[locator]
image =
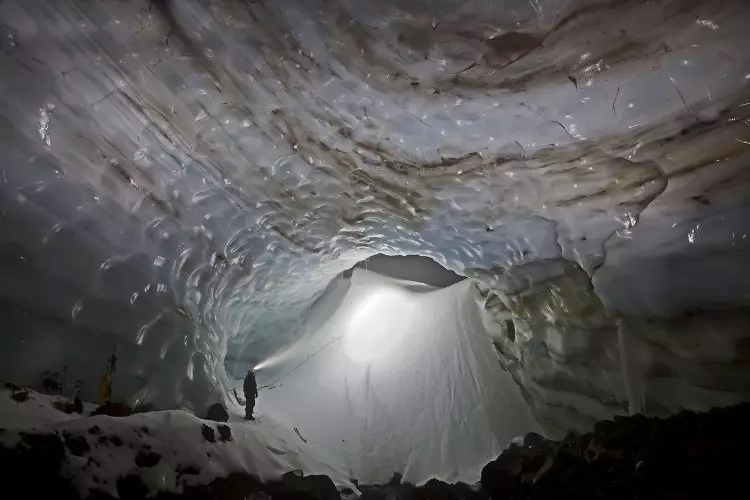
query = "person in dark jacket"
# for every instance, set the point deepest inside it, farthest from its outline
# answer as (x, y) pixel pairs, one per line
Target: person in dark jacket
(251, 392)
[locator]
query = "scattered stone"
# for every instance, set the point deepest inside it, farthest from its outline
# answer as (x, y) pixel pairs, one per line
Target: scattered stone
(31, 468)
(434, 489)
(131, 487)
(19, 395)
(190, 470)
(147, 458)
(208, 433)
(63, 405)
(438, 490)
(535, 440)
(499, 477)
(114, 439)
(225, 432)
(76, 445)
(114, 410)
(95, 430)
(217, 412)
(630, 457)
(307, 487)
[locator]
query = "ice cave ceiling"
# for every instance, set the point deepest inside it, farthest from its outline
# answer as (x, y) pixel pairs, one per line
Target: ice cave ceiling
(184, 178)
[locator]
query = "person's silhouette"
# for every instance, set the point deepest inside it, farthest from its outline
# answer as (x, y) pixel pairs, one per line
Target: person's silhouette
(251, 392)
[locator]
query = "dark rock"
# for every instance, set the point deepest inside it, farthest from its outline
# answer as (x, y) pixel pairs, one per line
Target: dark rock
(147, 458)
(76, 445)
(95, 430)
(225, 432)
(438, 490)
(501, 477)
(463, 490)
(631, 457)
(534, 439)
(114, 410)
(293, 486)
(217, 412)
(394, 489)
(208, 433)
(146, 430)
(190, 470)
(63, 405)
(131, 487)
(20, 395)
(603, 428)
(32, 468)
(114, 439)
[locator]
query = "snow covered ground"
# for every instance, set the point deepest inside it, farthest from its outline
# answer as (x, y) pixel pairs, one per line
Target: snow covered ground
(166, 449)
(397, 377)
(37, 411)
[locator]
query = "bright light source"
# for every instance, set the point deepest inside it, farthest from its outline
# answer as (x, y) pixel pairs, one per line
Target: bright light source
(378, 325)
(269, 361)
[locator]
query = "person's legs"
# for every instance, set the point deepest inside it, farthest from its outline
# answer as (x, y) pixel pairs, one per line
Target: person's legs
(249, 407)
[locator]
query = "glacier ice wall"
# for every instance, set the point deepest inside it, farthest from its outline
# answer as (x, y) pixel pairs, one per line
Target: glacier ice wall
(182, 179)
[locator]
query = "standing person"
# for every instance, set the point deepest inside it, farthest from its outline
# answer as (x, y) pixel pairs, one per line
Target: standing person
(251, 392)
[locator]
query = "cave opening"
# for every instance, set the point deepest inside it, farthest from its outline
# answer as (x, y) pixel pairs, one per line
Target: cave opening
(394, 373)
(415, 268)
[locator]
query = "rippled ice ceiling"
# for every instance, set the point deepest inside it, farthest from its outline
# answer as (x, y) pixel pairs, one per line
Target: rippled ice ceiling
(183, 179)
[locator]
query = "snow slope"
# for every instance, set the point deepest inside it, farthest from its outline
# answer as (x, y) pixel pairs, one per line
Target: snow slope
(397, 377)
(264, 449)
(37, 411)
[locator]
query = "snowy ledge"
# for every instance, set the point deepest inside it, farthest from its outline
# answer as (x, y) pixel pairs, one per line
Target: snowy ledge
(169, 452)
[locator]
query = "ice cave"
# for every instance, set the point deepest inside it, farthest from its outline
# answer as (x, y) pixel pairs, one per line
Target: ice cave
(430, 227)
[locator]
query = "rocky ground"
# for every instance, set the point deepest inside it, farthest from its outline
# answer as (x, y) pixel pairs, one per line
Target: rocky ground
(688, 455)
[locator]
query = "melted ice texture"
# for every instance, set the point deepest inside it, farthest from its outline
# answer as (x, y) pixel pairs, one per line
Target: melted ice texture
(183, 179)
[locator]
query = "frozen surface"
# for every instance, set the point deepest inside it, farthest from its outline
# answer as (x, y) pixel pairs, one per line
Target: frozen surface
(182, 179)
(264, 449)
(37, 411)
(400, 378)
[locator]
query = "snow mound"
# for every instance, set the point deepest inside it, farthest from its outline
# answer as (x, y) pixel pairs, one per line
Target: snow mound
(32, 409)
(168, 450)
(395, 377)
